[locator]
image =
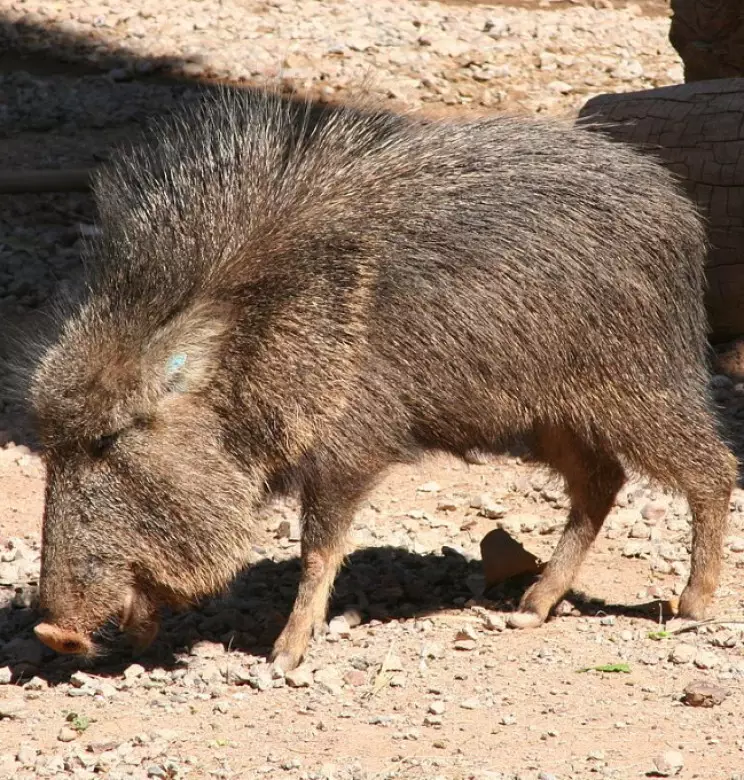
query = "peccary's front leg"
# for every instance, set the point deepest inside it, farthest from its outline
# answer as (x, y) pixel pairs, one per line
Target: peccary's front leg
(325, 523)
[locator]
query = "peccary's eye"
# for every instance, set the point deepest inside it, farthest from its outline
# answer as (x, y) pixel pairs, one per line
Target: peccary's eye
(100, 446)
(141, 423)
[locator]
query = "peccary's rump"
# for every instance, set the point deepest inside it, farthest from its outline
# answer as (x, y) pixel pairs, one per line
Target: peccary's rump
(281, 299)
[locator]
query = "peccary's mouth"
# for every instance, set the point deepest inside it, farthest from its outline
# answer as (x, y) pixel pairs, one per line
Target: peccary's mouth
(139, 618)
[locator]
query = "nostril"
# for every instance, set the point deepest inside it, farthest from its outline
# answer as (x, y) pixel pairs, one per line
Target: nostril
(71, 646)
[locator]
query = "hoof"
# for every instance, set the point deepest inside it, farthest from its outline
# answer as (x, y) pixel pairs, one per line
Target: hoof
(285, 661)
(524, 620)
(63, 640)
(692, 607)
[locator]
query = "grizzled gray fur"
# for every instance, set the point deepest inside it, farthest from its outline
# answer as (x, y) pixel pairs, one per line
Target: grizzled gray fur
(286, 299)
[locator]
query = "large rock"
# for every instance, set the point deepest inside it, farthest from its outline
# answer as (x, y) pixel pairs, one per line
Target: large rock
(709, 37)
(697, 130)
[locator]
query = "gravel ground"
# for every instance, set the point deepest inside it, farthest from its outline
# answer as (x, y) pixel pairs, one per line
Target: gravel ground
(414, 53)
(417, 677)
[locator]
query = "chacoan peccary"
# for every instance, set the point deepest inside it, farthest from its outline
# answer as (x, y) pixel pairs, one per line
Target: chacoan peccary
(283, 303)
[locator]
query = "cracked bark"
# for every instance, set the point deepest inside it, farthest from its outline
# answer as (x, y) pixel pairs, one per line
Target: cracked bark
(697, 130)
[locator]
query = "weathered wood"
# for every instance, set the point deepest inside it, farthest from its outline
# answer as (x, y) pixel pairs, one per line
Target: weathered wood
(709, 37)
(70, 180)
(697, 129)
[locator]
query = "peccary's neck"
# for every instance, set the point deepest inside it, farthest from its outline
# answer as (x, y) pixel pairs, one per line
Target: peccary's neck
(197, 545)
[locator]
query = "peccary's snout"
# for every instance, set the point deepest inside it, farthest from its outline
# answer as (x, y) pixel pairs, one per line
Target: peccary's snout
(64, 640)
(138, 618)
(83, 585)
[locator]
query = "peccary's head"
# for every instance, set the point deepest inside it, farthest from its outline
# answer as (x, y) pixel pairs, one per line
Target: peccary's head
(144, 504)
(220, 320)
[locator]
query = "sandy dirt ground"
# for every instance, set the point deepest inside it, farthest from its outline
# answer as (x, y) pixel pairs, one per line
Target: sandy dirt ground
(418, 677)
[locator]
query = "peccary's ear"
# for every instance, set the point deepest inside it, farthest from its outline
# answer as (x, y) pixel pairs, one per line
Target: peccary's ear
(185, 352)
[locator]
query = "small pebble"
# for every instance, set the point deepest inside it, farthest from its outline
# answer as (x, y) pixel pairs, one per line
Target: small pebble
(493, 511)
(494, 622)
(479, 501)
(707, 660)
(66, 734)
(262, 678)
(12, 710)
(353, 617)
(701, 693)
(36, 684)
(340, 627)
(106, 690)
(466, 638)
(654, 512)
(736, 544)
(669, 763)
(640, 531)
(683, 654)
(27, 755)
(133, 671)
(81, 680)
(328, 680)
(355, 678)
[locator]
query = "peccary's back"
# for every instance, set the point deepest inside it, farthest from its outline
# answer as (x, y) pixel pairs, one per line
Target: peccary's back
(544, 259)
(512, 257)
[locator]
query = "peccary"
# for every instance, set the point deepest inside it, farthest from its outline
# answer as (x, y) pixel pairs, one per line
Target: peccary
(280, 304)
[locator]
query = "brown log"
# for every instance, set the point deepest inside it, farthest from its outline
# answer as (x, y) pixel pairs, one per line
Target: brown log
(697, 129)
(709, 37)
(23, 181)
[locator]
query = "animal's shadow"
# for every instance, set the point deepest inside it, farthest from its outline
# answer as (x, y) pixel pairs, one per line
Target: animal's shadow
(382, 583)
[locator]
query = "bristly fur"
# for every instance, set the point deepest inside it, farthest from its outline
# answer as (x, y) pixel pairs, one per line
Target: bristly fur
(343, 290)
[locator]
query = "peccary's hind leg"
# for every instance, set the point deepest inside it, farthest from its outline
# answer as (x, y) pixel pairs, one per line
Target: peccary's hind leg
(709, 516)
(693, 459)
(326, 518)
(593, 477)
